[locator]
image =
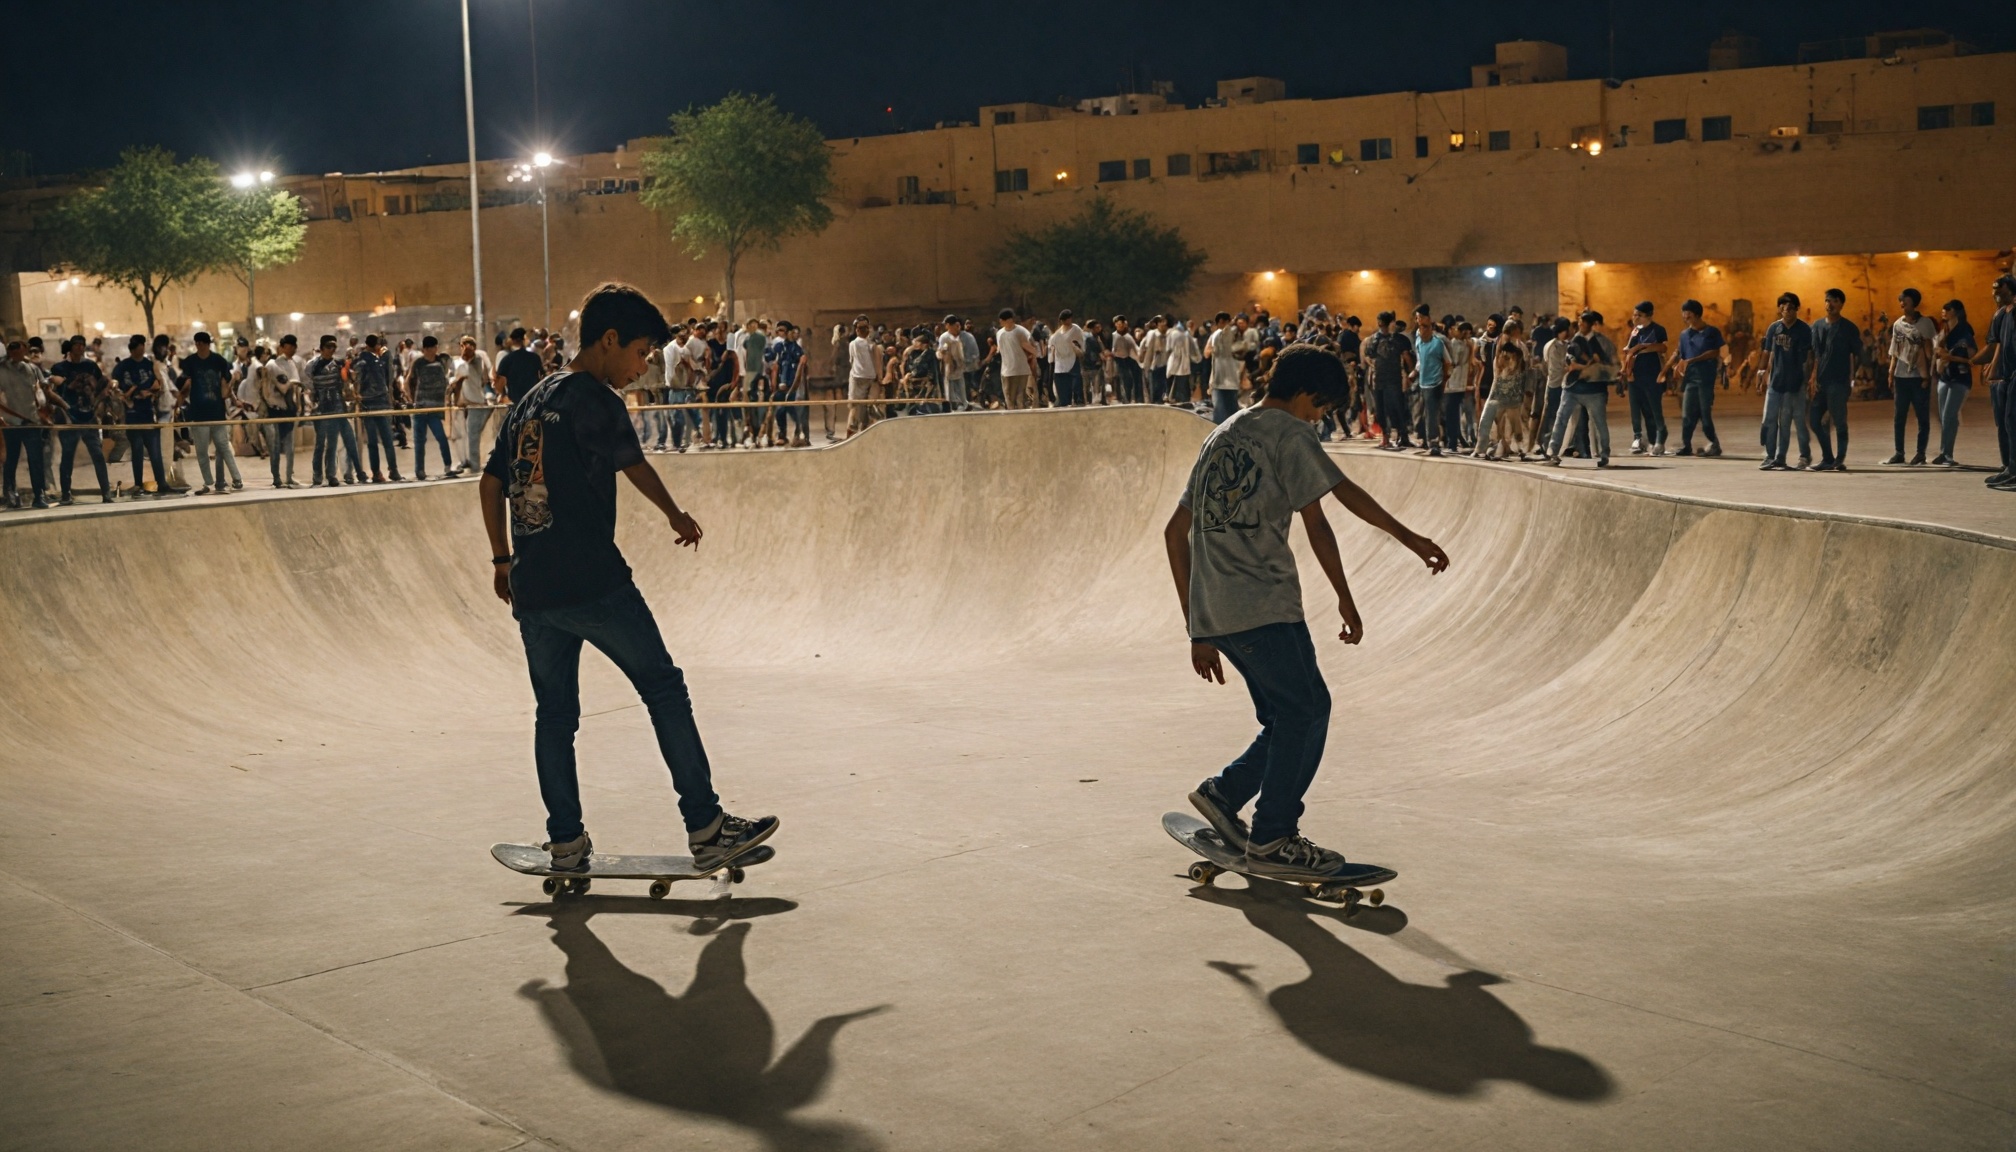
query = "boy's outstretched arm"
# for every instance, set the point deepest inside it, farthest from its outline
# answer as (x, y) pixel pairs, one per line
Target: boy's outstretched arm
(646, 480)
(491, 492)
(1176, 538)
(1363, 506)
(1323, 542)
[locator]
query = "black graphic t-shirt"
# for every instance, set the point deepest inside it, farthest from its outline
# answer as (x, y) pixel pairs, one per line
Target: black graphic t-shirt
(78, 385)
(558, 454)
(205, 382)
(136, 375)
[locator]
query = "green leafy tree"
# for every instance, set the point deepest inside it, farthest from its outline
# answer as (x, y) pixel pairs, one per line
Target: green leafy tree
(153, 223)
(1101, 260)
(266, 230)
(741, 176)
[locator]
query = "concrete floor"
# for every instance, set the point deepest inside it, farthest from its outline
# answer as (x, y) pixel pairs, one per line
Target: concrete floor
(1703, 818)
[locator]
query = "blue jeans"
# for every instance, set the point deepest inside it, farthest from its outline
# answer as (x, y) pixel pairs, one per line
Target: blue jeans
(683, 422)
(1278, 662)
(621, 627)
(1911, 395)
(1224, 404)
(1648, 412)
(1594, 407)
(424, 423)
(1697, 407)
(1069, 385)
(1829, 417)
(1951, 397)
(378, 430)
(32, 440)
(1784, 413)
(328, 433)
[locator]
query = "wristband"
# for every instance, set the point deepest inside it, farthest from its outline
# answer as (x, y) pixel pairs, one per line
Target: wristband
(500, 559)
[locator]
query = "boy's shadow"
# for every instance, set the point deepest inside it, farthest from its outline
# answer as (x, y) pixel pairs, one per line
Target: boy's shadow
(1448, 1039)
(706, 1052)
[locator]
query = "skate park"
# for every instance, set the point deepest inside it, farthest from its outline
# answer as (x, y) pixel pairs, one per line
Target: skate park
(1701, 809)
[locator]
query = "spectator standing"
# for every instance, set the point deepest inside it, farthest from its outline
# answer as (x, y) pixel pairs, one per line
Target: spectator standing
(79, 384)
(280, 402)
(427, 386)
(1837, 344)
(1018, 358)
(1127, 387)
(952, 363)
(517, 370)
(787, 384)
(1998, 353)
(1912, 340)
(1153, 351)
(371, 376)
(1067, 344)
(1431, 364)
(23, 408)
(206, 382)
(139, 384)
(1698, 359)
(1179, 354)
(1456, 386)
(1955, 355)
(969, 343)
(1391, 355)
(330, 393)
(1223, 349)
(469, 378)
(1587, 391)
(1788, 345)
(864, 368)
(1645, 353)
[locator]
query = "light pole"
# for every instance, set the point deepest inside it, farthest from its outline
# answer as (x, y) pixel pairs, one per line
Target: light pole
(475, 196)
(246, 182)
(543, 161)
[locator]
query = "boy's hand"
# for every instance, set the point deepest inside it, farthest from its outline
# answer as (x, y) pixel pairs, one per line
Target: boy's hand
(500, 581)
(1430, 553)
(684, 527)
(1204, 661)
(1354, 628)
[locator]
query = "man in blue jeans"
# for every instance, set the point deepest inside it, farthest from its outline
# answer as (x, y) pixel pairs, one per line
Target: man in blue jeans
(1236, 580)
(549, 506)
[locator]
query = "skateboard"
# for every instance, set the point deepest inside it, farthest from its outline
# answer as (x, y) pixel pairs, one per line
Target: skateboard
(1346, 888)
(662, 871)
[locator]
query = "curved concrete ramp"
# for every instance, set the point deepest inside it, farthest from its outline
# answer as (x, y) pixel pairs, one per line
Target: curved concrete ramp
(1703, 818)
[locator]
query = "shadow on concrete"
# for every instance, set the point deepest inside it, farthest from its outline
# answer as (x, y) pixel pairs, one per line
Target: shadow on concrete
(709, 916)
(706, 1052)
(1448, 1039)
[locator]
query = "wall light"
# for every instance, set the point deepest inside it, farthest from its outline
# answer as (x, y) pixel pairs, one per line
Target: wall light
(1063, 175)
(1365, 275)
(100, 326)
(1713, 271)
(1455, 140)
(294, 315)
(1595, 147)
(1266, 275)
(1907, 256)
(1802, 259)
(1490, 273)
(699, 299)
(1588, 263)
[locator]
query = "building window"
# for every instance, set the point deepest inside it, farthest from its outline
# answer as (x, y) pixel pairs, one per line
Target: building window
(1228, 163)
(1932, 116)
(1111, 170)
(1668, 131)
(906, 189)
(1501, 141)
(1308, 154)
(1377, 149)
(1141, 169)
(1420, 147)
(1004, 117)
(1011, 180)
(1715, 128)
(361, 207)
(1981, 115)
(1178, 165)
(1825, 127)
(1491, 79)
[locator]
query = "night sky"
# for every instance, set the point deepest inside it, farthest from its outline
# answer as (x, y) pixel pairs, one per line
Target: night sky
(371, 84)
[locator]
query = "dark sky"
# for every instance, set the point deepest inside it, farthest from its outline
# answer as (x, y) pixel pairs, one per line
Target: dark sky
(313, 86)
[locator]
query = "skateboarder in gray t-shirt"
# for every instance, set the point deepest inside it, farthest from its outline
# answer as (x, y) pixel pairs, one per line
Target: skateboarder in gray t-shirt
(1236, 579)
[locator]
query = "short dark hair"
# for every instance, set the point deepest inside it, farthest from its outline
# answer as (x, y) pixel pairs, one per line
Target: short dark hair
(1644, 306)
(1423, 310)
(136, 341)
(2006, 283)
(1591, 316)
(1386, 318)
(429, 342)
(517, 333)
(1223, 316)
(328, 338)
(1915, 295)
(1791, 298)
(374, 340)
(1837, 294)
(1006, 314)
(949, 319)
(202, 337)
(289, 338)
(624, 310)
(1308, 370)
(1064, 315)
(1353, 322)
(1693, 306)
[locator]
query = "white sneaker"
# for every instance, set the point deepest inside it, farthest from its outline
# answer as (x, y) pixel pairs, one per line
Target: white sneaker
(571, 856)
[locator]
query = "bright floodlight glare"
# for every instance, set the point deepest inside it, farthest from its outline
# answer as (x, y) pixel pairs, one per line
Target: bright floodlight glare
(265, 177)
(542, 159)
(574, 315)
(242, 180)
(1910, 255)
(1490, 273)
(294, 315)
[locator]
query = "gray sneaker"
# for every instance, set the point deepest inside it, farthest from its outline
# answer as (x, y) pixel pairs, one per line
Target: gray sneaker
(571, 856)
(1221, 815)
(726, 838)
(1292, 857)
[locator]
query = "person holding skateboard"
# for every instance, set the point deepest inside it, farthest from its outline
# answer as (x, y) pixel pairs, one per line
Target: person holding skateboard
(549, 506)
(1236, 580)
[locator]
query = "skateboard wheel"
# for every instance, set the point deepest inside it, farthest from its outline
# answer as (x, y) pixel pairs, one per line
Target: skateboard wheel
(1377, 896)
(1203, 872)
(581, 886)
(735, 875)
(550, 886)
(1352, 896)
(659, 888)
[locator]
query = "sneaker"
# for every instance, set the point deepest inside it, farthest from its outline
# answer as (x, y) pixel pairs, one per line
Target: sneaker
(1997, 478)
(398, 479)
(1292, 857)
(1805, 463)
(66, 499)
(1713, 450)
(1918, 461)
(727, 838)
(1658, 450)
(1552, 461)
(1602, 462)
(1771, 464)
(1436, 452)
(1895, 459)
(1637, 447)
(1685, 450)
(571, 856)
(237, 485)
(40, 502)
(1220, 815)
(2006, 484)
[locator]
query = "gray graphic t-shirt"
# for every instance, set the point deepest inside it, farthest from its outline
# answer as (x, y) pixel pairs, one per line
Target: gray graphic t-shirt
(1255, 472)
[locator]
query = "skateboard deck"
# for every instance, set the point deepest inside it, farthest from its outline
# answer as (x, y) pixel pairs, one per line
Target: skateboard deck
(662, 871)
(1347, 888)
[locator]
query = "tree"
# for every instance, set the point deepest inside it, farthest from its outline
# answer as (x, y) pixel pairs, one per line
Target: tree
(265, 230)
(1101, 260)
(740, 175)
(152, 224)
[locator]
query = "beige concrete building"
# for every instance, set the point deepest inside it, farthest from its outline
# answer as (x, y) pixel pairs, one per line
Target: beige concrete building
(1728, 185)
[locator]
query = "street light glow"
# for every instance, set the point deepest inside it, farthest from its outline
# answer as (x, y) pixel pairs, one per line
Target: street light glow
(542, 159)
(265, 177)
(295, 316)
(1490, 273)
(243, 180)
(1910, 255)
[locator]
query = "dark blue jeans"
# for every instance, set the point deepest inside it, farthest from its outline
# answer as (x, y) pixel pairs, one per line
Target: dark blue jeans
(427, 424)
(1278, 662)
(378, 430)
(1224, 404)
(620, 626)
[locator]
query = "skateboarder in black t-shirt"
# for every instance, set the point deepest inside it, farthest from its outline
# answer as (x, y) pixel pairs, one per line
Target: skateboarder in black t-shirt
(549, 505)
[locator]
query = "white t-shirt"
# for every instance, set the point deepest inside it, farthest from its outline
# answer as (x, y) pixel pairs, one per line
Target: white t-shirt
(1152, 342)
(470, 376)
(1013, 342)
(1065, 346)
(1123, 346)
(952, 353)
(861, 359)
(1911, 347)
(1224, 347)
(1462, 354)
(1179, 351)
(695, 358)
